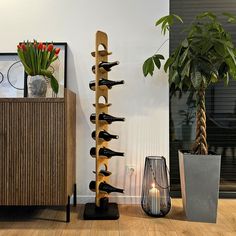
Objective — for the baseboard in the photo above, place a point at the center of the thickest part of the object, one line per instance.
(83, 199)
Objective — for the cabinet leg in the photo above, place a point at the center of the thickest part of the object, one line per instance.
(68, 210)
(75, 195)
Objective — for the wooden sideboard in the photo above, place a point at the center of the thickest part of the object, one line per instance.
(37, 151)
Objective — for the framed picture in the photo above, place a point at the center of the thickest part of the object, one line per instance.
(13, 79)
(11, 76)
(59, 69)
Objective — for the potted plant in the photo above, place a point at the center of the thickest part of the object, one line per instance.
(37, 59)
(205, 56)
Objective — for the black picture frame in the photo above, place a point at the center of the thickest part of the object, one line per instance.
(63, 45)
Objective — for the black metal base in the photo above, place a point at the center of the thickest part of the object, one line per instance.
(68, 204)
(92, 212)
(68, 210)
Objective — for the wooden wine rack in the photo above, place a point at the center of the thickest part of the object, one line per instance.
(101, 39)
(95, 211)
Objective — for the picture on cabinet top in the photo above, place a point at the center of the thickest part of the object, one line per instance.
(11, 76)
(13, 79)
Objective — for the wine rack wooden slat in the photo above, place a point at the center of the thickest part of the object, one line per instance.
(101, 41)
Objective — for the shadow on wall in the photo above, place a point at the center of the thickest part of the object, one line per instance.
(83, 162)
(139, 96)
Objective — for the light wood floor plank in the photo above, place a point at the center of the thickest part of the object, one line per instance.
(77, 232)
(132, 222)
(104, 232)
(159, 233)
(133, 233)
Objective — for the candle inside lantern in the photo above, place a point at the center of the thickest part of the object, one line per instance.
(154, 200)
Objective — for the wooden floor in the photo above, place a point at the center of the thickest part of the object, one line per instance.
(132, 221)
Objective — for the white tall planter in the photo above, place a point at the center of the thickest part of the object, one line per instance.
(200, 177)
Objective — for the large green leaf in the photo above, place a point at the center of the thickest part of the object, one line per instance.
(161, 20)
(185, 43)
(156, 58)
(148, 67)
(161, 57)
(196, 79)
(169, 61)
(206, 47)
(186, 69)
(226, 79)
(54, 84)
(174, 78)
(231, 53)
(231, 17)
(178, 18)
(183, 56)
(53, 81)
(167, 21)
(157, 62)
(214, 78)
(210, 15)
(219, 48)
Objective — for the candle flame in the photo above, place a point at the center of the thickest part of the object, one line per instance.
(153, 185)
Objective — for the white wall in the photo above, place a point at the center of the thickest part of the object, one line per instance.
(133, 37)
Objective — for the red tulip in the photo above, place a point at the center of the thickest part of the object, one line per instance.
(44, 47)
(19, 46)
(40, 46)
(57, 50)
(50, 47)
(23, 47)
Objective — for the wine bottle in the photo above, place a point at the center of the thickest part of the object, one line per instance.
(105, 152)
(105, 118)
(105, 83)
(103, 172)
(104, 135)
(105, 66)
(105, 187)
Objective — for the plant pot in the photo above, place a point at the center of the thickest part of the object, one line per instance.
(37, 86)
(200, 177)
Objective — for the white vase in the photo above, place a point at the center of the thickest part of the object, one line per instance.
(37, 86)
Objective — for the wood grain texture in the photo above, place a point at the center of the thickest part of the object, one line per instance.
(101, 40)
(70, 126)
(132, 222)
(33, 164)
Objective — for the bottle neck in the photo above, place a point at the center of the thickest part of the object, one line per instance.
(106, 134)
(108, 188)
(114, 136)
(119, 82)
(108, 64)
(109, 153)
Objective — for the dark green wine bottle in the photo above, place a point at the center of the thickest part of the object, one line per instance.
(105, 66)
(105, 187)
(105, 83)
(103, 117)
(104, 135)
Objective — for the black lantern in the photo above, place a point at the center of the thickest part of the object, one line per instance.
(155, 189)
